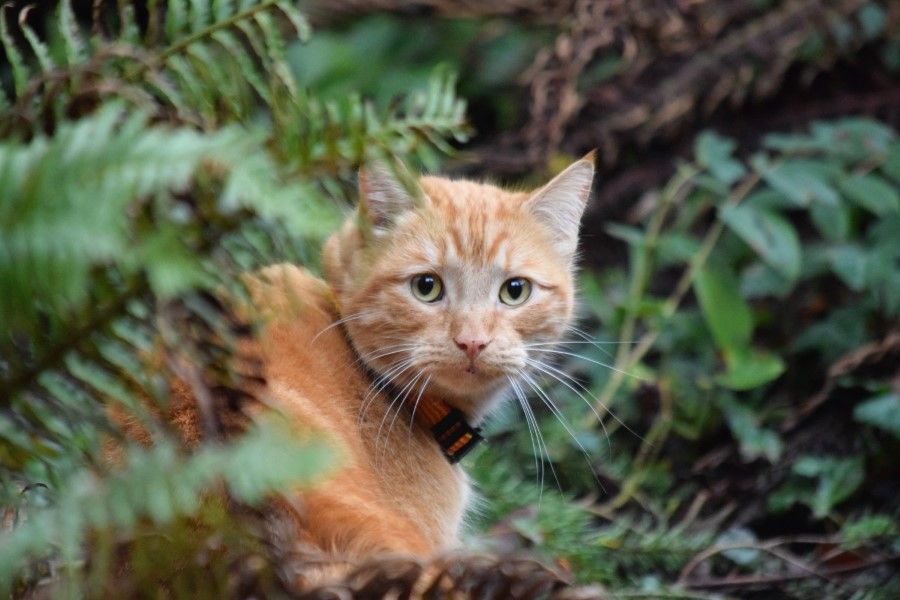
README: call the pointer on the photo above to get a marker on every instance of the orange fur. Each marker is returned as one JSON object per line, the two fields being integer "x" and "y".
{"x": 397, "y": 493}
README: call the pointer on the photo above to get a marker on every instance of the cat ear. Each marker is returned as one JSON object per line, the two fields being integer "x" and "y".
{"x": 383, "y": 197}
{"x": 560, "y": 204}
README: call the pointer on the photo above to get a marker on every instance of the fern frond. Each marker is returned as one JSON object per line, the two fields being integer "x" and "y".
{"x": 316, "y": 135}
{"x": 37, "y": 46}
{"x": 15, "y": 58}
{"x": 161, "y": 484}
{"x": 118, "y": 217}
{"x": 75, "y": 46}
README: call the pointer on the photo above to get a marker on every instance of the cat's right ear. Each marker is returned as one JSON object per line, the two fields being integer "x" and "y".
{"x": 382, "y": 198}
{"x": 560, "y": 204}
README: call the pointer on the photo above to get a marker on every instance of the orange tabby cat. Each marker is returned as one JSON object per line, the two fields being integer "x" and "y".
{"x": 426, "y": 316}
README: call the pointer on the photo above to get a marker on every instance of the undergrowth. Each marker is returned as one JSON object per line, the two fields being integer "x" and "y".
{"x": 151, "y": 154}
{"x": 734, "y": 390}
{"x": 732, "y": 417}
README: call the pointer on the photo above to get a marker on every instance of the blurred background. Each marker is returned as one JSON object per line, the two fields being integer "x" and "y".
{"x": 725, "y": 421}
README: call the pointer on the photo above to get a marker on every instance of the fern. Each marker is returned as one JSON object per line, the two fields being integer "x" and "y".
{"x": 144, "y": 164}
{"x": 160, "y": 484}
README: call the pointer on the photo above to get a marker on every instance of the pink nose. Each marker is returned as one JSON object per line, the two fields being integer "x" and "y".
{"x": 472, "y": 346}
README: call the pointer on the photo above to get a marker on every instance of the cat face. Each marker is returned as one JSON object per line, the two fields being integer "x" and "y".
{"x": 446, "y": 292}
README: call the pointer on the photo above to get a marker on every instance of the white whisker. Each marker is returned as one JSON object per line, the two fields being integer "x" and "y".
{"x": 380, "y": 383}
{"x": 412, "y": 415}
{"x": 360, "y": 315}
{"x": 590, "y": 360}
{"x": 563, "y": 342}
{"x": 552, "y": 371}
{"x": 540, "y": 437}
{"x": 535, "y": 453}
{"x": 398, "y": 400}
{"x": 562, "y": 420}
{"x": 590, "y": 404}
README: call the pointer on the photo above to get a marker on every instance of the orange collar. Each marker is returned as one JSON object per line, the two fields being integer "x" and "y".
{"x": 449, "y": 426}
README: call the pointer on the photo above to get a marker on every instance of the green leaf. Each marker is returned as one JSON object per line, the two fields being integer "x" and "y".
{"x": 838, "y": 479}
{"x": 871, "y": 192}
{"x": 675, "y": 247}
{"x": 736, "y": 536}
{"x": 632, "y": 236}
{"x": 856, "y": 531}
{"x": 873, "y": 18}
{"x": 755, "y": 440}
{"x": 851, "y": 264}
{"x": 881, "y": 411}
{"x": 891, "y": 166}
{"x": 748, "y": 369}
{"x": 833, "y": 222}
{"x": 802, "y": 181}
{"x": 714, "y": 152}
{"x": 770, "y": 235}
{"x": 759, "y": 280}
{"x": 727, "y": 314}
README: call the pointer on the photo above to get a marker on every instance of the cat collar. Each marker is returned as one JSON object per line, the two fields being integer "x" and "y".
{"x": 449, "y": 427}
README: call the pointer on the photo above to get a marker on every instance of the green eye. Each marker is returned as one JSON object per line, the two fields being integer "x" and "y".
{"x": 427, "y": 287}
{"x": 515, "y": 291}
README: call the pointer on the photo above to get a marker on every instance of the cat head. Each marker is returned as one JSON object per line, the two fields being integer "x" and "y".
{"x": 448, "y": 290}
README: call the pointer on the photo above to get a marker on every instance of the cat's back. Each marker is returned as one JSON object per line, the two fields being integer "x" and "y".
{"x": 309, "y": 362}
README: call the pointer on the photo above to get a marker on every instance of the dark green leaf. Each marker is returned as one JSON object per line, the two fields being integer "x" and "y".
{"x": 833, "y": 222}
{"x": 759, "y": 280}
{"x": 802, "y": 181}
{"x": 882, "y": 412}
{"x": 748, "y": 369}
{"x": 769, "y": 234}
{"x": 727, "y": 314}
{"x": 851, "y": 264}
{"x": 715, "y": 153}
{"x": 871, "y": 192}
{"x": 755, "y": 440}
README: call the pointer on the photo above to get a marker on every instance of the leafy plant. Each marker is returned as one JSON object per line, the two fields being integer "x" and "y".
{"x": 148, "y": 160}
{"x": 751, "y": 282}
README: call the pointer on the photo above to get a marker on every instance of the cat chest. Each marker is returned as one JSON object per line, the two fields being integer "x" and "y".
{"x": 420, "y": 484}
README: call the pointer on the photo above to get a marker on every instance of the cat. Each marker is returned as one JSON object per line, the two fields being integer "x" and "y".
{"x": 424, "y": 319}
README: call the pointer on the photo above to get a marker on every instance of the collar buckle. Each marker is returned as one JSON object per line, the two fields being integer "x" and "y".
{"x": 455, "y": 436}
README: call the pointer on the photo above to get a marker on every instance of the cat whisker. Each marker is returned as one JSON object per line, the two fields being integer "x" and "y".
{"x": 541, "y": 366}
{"x": 380, "y": 383}
{"x": 562, "y": 420}
{"x": 393, "y": 400}
{"x": 398, "y": 400}
{"x": 556, "y": 374}
{"x": 590, "y": 360}
{"x": 587, "y": 338}
{"x": 566, "y": 342}
{"x": 542, "y": 443}
{"x": 412, "y": 416}
{"x": 385, "y": 351}
{"x": 360, "y": 315}
{"x": 535, "y": 452}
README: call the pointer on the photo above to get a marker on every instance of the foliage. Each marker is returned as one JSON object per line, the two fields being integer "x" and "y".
{"x": 750, "y": 282}
{"x": 744, "y": 439}
{"x": 152, "y": 153}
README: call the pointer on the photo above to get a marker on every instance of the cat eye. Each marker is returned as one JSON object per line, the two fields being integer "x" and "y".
{"x": 515, "y": 291}
{"x": 427, "y": 287}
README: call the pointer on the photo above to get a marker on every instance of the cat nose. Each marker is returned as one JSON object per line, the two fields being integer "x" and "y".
{"x": 471, "y": 345}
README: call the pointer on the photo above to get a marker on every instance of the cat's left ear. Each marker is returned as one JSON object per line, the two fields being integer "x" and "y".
{"x": 560, "y": 204}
